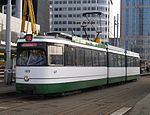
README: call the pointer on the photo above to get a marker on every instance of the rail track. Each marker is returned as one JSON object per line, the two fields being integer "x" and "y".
{"x": 94, "y": 102}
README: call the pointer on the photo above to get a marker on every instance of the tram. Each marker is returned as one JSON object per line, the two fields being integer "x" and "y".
{"x": 59, "y": 62}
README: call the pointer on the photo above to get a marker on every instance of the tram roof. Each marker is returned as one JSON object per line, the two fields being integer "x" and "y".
{"x": 63, "y": 38}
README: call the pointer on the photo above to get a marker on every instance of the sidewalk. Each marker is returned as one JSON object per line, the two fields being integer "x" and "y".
{"x": 7, "y": 88}
{"x": 142, "y": 107}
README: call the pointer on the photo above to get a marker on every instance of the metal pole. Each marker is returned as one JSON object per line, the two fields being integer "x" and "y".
{"x": 117, "y": 39}
{"x": 19, "y": 8}
{"x": 114, "y": 30}
{"x": 8, "y": 77}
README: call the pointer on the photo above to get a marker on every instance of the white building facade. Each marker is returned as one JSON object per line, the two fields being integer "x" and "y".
{"x": 66, "y": 16}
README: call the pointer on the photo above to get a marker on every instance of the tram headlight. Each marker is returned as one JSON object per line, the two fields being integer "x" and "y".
{"x": 26, "y": 78}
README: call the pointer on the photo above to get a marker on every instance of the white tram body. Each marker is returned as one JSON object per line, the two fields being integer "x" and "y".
{"x": 71, "y": 64}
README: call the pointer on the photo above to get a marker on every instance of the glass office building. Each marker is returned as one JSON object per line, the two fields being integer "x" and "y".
{"x": 135, "y": 24}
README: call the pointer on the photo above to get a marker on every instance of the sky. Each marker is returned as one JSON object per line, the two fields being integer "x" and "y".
{"x": 116, "y": 7}
{"x": 115, "y": 10}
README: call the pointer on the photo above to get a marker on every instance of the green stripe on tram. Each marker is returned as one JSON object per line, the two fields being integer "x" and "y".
{"x": 133, "y": 77}
{"x": 60, "y": 87}
{"x": 64, "y": 87}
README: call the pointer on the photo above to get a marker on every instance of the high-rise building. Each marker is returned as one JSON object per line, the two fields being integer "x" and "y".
{"x": 135, "y": 24}
{"x": 3, "y": 4}
{"x": 43, "y": 15}
{"x": 66, "y": 16}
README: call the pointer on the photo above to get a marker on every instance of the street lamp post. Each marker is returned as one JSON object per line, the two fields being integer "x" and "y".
{"x": 116, "y": 23}
{"x": 8, "y": 77}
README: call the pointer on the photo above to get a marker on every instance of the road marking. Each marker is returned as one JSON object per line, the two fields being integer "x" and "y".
{"x": 121, "y": 111}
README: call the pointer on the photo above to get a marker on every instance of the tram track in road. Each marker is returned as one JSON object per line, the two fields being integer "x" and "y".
{"x": 125, "y": 97}
{"x": 11, "y": 100}
{"x": 96, "y": 102}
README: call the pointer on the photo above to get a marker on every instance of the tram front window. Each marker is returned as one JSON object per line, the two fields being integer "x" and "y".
{"x": 31, "y": 58}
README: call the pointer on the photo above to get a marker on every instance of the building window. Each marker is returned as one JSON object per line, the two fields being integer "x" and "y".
{"x": 84, "y": 1}
{"x": 78, "y": 2}
{"x": 78, "y": 8}
{"x": 55, "y": 16}
{"x": 64, "y": 2}
{"x": 69, "y": 2}
{"x": 69, "y": 22}
{"x": 56, "y": 2}
{"x": 55, "y": 29}
{"x": 70, "y": 8}
{"x": 93, "y": 1}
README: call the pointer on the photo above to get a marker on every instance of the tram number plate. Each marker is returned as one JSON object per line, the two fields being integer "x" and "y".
{"x": 27, "y": 71}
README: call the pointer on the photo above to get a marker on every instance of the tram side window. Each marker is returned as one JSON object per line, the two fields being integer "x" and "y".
{"x": 115, "y": 60}
{"x": 119, "y": 61}
{"x": 123, "y": 61}
{"x": 55, "y": 55}
{"x": 111, "y": 60}
{"x": 137, "y": 62}
{"x": 69, "y": 56}
{"x": 95, "y": 58}
{"x": 88, "y": 57}
{"x": 79, "y": 57}
{"x": 102, "y": 58}
{"x": 129, "y": 61}
{"x": 132, "y": 61}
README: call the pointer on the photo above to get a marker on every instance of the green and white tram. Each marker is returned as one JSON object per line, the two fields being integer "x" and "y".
{"x": 59, "y": 62}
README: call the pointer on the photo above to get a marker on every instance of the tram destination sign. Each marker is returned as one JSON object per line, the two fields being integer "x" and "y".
{"x": 32, "y": 44}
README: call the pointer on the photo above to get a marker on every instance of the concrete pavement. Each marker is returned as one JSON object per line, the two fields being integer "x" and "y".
{"x": 7, "y": 88}
{"x": 142, "y": 107}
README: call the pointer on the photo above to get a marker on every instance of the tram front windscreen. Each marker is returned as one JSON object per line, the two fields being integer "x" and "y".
{"x": 31, "y": 54}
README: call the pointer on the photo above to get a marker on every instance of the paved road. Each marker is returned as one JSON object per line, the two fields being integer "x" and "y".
{"x": 94, "y": 102}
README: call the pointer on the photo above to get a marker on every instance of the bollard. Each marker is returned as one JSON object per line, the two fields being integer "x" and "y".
{"x": 8, "y": 76}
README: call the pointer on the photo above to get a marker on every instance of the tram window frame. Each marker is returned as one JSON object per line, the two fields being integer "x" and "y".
{"x": 88, "y": 57}
{"x": 123, "y": 60}
{"x": 95, "y": 58}
{"x": 119, "y": 61}
{"x": 115, "y": 60}
{"x": 132, "y": 61}
{"x": 137, "y": 62}
{"x": 31, "y": 57}
{"x": 111, "y": 59}
{"x": 128, "y": 61}
{"x": 102, "y": 58}
{"x": 56, "y": 62}
{"x": 80, "y": 56}
{"x": 69, "y": 55}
